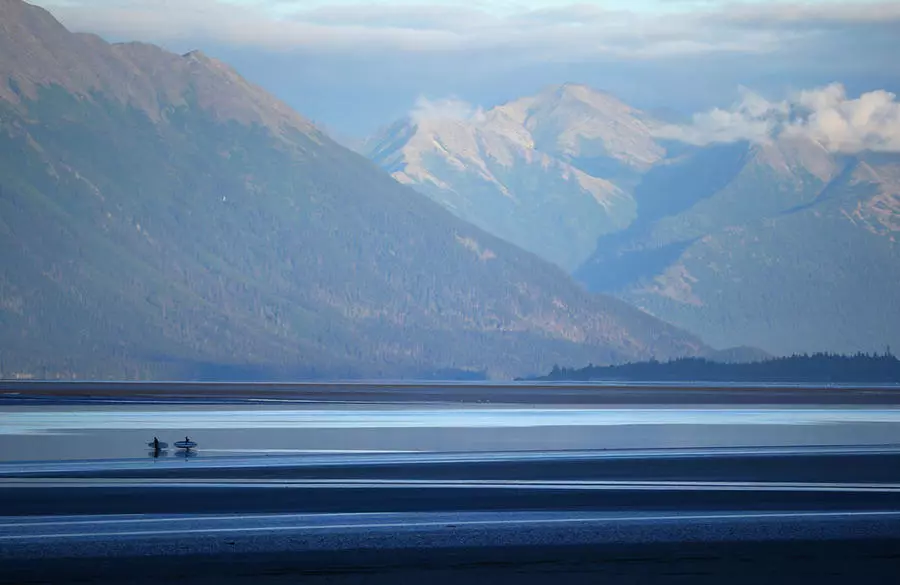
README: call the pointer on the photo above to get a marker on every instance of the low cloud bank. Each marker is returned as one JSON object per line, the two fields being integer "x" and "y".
{"x": 426, "y": 110}
{"x": 826, "y": 115}
{"x": 564, "y": 31}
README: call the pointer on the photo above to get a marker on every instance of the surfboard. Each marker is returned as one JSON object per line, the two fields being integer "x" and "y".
{"x": 161, "y": 445}
{"x": 185, "y": 444}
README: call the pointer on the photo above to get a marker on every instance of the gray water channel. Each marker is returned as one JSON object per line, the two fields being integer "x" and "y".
{"x": 121, "y": 431}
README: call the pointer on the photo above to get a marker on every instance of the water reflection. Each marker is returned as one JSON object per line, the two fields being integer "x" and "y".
{"x": 42, "y": 421}
{"x": 121, "y": 431}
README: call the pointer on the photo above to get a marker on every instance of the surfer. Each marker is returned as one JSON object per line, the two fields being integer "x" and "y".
{"x": 187, "y": 444}
{"x": 155, "y": 444}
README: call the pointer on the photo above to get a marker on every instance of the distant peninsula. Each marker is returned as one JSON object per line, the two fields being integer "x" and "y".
{"x": 818, "y": 367}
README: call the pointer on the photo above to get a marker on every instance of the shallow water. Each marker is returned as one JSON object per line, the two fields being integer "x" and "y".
{"x": 72, "y": 432}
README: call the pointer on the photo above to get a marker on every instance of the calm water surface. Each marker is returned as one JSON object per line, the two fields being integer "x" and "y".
{"x": 114, "y": 431}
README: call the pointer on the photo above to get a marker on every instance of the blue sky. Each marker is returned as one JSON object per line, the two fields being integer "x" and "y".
{"x": 354, "y": 65}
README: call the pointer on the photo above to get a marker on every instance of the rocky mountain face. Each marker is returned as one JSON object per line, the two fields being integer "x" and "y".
{"x": 160, "y": 216}
{"x": 788, "y": 258}
{"x": 545, "y": 172}
{"x": 780, "y": 245}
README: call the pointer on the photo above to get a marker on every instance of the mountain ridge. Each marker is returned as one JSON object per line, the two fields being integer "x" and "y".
{"x": 788, "y": 263}
{"x": 518, "y": 172}
{"x": 705, "y": 236}
{"x": 33, "y": 56}
{"x": 184, "y": 223}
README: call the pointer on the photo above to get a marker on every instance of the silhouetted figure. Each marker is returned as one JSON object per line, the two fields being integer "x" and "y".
{"x": 155, "y": 444}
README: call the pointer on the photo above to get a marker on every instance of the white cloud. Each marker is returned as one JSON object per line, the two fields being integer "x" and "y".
{"x": 217, "y": 20}
{"x": 426, "y": 110}
{"x": 811, "y": 13}
{"x": 869, "y": 122}
{"x": 753, "y": 118}
{"x": 421, "y": 17}
{"x": 826, "y": 115}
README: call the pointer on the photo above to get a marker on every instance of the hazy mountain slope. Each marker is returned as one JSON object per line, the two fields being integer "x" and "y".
{"x": 703, "y": 191}
{"x": 745, "y": 244}
{"x": 535, "y": 171}
{"x": 160, "y": 216}
{"x": 591, "y": 129}
{"x": 797, "y": 251}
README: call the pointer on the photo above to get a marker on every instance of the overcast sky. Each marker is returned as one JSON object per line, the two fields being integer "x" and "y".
{"x": 354, "y": 66}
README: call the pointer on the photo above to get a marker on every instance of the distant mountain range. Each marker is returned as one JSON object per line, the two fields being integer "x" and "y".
{"x": 780, "y": 245}
{"x": 162, "y": 217}
{"x": 792, "y": 250}
{"x": 549, "y": 173}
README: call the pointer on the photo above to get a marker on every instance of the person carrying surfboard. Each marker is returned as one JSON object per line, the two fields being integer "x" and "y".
{"x": 187, "y": 444}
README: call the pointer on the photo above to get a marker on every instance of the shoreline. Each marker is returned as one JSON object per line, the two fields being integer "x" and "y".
{"x": 667, "y": 393}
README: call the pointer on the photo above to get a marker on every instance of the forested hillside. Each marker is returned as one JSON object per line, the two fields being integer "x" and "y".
{"x": 816, "y": 368}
